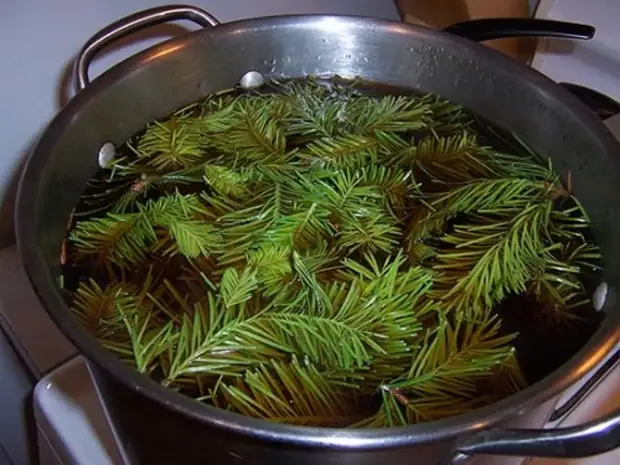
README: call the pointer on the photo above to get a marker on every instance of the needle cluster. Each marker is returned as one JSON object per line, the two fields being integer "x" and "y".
{"x": 316, "y": 254}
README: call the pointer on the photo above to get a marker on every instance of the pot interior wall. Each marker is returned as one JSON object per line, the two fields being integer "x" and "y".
{"x": 163, "y": 79}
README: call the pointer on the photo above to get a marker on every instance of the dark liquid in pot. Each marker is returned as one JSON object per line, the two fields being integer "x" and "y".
{"x": 541, "y": 346}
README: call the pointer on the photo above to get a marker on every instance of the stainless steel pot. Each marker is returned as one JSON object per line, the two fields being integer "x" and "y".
{"x": 160, "y": 426}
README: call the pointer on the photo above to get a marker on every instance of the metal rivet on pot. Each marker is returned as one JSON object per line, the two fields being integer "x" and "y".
{"x": 107, "y": 153}
{"x": 599, "y": 296}
{"x": 252, "y": 80}
{"x": 460, "y": 458}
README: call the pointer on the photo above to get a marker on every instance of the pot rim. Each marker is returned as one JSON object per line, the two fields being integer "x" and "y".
{"x": 48, "y": 293}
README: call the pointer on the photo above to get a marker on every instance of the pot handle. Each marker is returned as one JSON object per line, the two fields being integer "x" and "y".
{"x": 133, "y": 23}
{"x": 592, "y": 438}
{"x": 498, "y": 28}
{"x": 603, "y": 105}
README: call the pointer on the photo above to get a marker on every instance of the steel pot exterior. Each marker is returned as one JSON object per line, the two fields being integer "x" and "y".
{"x": 155, "y": 436}
{"x": 168, "y": 76}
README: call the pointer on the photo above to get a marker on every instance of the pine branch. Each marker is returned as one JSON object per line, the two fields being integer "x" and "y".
{"x": 316, "y": 296}
{"x": 423, "y": 225}
{"x": 347, "y": 196}
{"x": 148, "y": 341}
{"x": 369, "y": 234}
{"x": 395, "y": 299}
{"x": 506, "y": 378}
{"x": 446, "y": 117}
{"x": 171, "y": 145}
{"x": 346, "y": 335}
{"x": 348, "y": 150}
{"x": 390, "y": 113}
{"x": 381, "y": 282}
{"x": 272, "y": 264}
{"x": 451, "y": 360}
{"x": 305, "y": 229}
{"x": 315, "y": 111}
{"x": 218, "y": 115}
{"x": 524, "y": 167}
{"x": 145, "y": 183}
{"x": 100, "y": 194}
{"x": 394, "y": 182}
{"x": 226, "y": 181}
{"x": 95, "y": 307}
{"x": 217, "y": 205}
{"x": 235, "y": 288}
{"x": 396, "y": 151}
{"x": 513, "y": 157}
{"x": 559, "y": 287}
{"x": 219, "y": 103}
{"x": 183, "y": 217}
{"x": 230, "y": 339}
{"x": 192, "y": 238}
{"x": 332, "y": 341}
{"x": 293, "y": 393}
{"x": 451, "y": 159}
{"x": 137, "y": 191}
{"x": 489, "y": 261}
{"x": 570, "y": 222}
{"x": 126, "y": 238}
{"x": 169, "y": 208}
{"x": 389, "y": 414}
{"x": 216, "y": 341}
{"x": 486, "y": 195}
{"x": 123, "y": 320}
{"x": 120, "y": 238}
{"x": 242, "y": 230}
{"x": 257, "y": 132}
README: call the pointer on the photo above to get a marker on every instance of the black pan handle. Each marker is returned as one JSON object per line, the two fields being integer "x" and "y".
{"x": 603, "y": 105}
{"x": 498, "y": 28}
{"x": 592, "y": 438}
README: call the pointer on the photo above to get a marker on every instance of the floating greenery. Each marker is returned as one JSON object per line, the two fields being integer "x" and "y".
{"x": 315, "y": 254}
